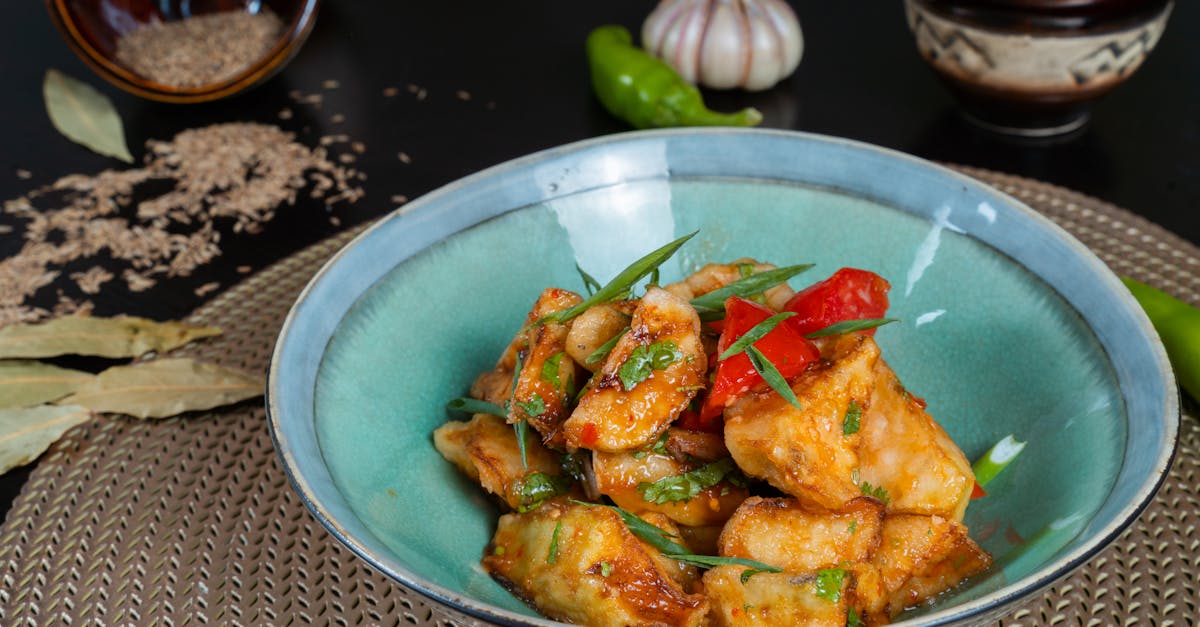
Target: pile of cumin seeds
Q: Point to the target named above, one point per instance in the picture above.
(200, 50)
(161, 220)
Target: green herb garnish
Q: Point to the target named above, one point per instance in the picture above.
(643, 360)
(852, 619)
(589, 283)
(620, 283)
(771, 375)
(829, 584)
(850, 326)
(521, 429)
(687, 485)
(754, 334)
(550, 370)
(853, 419)
(748, 573)
(552, 554)
(714, 301)
(534, 407)
(475, 406)
(660, 540)
(996, 459)
(536, 488)
(605, 569)
(853, 527)
(601, 353)
(876, 491)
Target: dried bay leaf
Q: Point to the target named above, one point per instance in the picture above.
(27, 433)
(26, 383)
(123, 336)
(84, 115)
(164, 387)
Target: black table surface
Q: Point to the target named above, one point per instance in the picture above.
(505, 79)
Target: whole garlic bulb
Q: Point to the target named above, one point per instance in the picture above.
(723, 44)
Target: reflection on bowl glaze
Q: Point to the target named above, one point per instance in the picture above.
(1030, 67)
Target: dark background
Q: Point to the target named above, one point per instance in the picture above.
(523, 68)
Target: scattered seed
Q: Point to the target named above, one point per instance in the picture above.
(390, 92)
(358, 147)
(285, 114)
(220, 179)
(463, 95)
(337, 118)
(244, 269)
(24, 174)
(399, 199)
(335, 221)
(404, 158)
(330, 84)
(207, 288)
(422, 94)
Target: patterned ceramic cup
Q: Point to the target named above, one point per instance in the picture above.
(1031, 67)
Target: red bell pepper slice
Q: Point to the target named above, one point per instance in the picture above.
(785, 346)
(849, 294)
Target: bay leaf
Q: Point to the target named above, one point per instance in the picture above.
(27, 433)
(25, 383)
(122, 336)
(164, 387)
(84, 115)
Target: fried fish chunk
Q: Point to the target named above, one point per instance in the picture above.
(806, 452)
(621, 477)
(581, 564)
(485, 449)
(919, 557)
(595, 327)
(542, 394)
(783, 533)
(813, 599)
(904, 451)
(611, 418)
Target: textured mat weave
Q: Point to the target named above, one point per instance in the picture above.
(192, 521)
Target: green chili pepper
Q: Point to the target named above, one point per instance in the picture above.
(1178, 325)
(646, 92)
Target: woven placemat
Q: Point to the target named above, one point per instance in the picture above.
(192, 521)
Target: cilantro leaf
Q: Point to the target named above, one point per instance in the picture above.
(875, 491)
(550, 370)
(534, 407)
(829, 584)
(853, 419)
(687, 485)
(643, 360)
(536, 488)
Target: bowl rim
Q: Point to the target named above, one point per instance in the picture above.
(1168, 407)
(281, 52)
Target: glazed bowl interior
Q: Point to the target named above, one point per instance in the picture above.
(1007, 325)
(93, 29)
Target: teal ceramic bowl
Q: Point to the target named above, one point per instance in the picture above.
(1008, 325)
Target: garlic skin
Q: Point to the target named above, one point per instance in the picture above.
(723, 44)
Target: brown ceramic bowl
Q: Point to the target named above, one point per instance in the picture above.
(94, 29)
(1033, 67)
